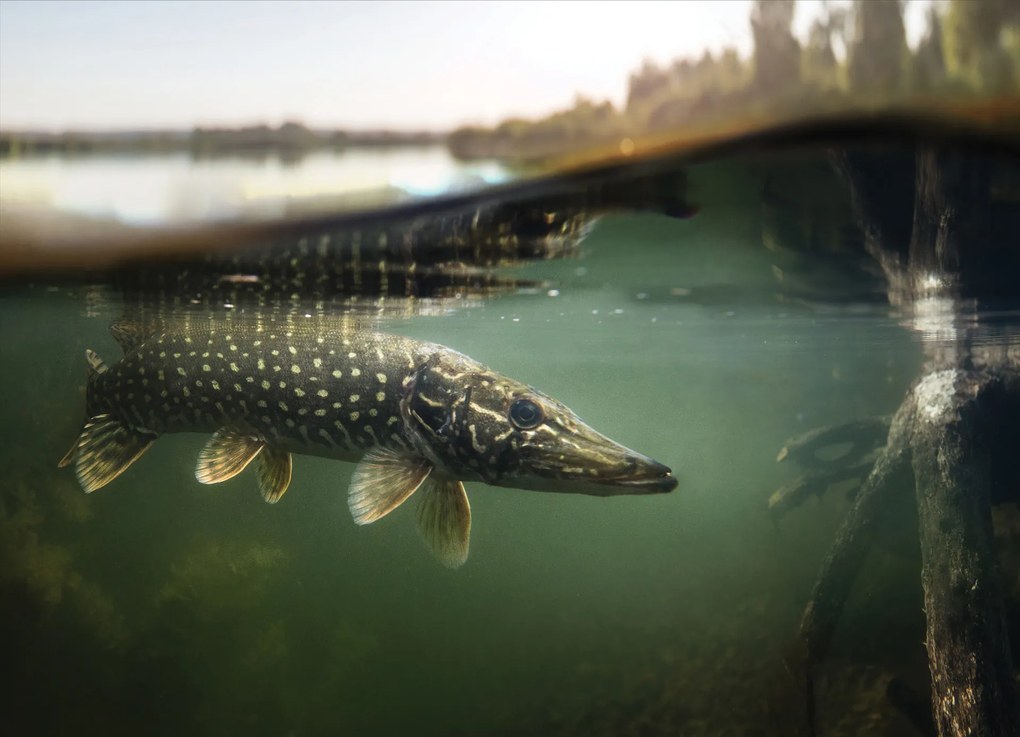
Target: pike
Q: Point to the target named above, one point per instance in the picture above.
(415, 416)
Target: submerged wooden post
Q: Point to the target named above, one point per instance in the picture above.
(967, 639)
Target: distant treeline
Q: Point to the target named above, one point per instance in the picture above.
(852, 57)
(290, 140)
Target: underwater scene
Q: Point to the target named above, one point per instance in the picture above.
(662, 423)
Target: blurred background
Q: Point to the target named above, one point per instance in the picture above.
(169, 111)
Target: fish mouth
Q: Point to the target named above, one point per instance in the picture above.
(635, 475)
(649, 477)
(573, 458)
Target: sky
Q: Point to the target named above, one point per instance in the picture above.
(402, 65)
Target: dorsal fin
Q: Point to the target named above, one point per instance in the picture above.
(96, 364)
(128, 333)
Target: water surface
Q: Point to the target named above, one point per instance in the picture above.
(179, 187)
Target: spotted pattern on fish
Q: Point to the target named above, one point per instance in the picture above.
(416, 415)
(280, 389)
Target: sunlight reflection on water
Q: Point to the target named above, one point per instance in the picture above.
(154, 190)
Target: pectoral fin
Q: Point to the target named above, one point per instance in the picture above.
(273, 468)
(382, 482)
(444, 521)
(227, 453)
(105, 450)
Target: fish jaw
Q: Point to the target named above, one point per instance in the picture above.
(583, 461)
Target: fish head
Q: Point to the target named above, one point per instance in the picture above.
(474, 424)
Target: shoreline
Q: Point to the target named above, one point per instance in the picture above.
(289, 141)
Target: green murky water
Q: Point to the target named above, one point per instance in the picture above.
(161, 606)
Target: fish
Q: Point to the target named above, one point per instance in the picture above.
(417, 417)
(404, 262)
(348, 251)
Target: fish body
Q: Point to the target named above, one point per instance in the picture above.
(416, 416)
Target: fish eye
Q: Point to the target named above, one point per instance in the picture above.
(525, 414)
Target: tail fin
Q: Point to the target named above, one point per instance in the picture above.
(68, 456)
(104, 450)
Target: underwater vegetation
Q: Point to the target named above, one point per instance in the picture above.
(31, 557)
(140, 654)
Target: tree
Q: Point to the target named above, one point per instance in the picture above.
(820, 65)
(646, 83)
(929, 65)
(972, 35)
(776, 50)
(879, 47)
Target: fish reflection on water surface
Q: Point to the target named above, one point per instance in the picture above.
(416, 416)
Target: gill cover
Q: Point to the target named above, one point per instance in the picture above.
(476, 424)
(455, 412)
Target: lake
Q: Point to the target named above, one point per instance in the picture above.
(707, 340)
(173, 188)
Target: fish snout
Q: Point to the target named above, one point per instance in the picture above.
(603, 467)
(646, 475)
